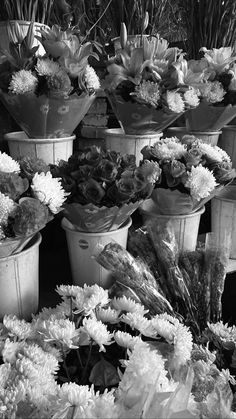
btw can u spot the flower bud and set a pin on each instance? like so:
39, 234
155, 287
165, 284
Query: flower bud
123, 35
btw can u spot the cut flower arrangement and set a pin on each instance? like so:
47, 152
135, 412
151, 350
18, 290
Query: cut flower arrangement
29, 199
191, 172
142, 85
98, 357
105, 187
48, 95
214, 76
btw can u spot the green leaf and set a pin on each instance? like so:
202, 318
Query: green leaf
104, 374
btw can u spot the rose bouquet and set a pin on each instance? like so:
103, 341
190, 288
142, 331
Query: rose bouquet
98, 357
214, 76
191, 173
142, 87
29, 198
48, 95
106, 187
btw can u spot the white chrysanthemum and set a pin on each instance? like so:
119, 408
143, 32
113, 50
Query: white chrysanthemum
211, 152
201, 182
169, 150
212, 91
183, 345
49, 191
23, 81
10, 350
61, 331
191, 98
127, 304
103, 407
16, 327
68, 290
148, 92
108, 315
223, 331
7, 205
39, 357
163, 328
136, 321
91, 78
224, 156
97, 331
8, 164
126, 340
94, 296
46, 67
75, 394
174, 101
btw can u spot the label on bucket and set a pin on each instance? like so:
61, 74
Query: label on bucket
83, 244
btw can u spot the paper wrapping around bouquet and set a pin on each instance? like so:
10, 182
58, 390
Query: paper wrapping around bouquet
174, 202
10, 246
47, 117
90, 218
139, 118
208, 117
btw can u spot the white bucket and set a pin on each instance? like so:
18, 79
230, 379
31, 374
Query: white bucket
82, 246
117, 140
223, 217
208, 137
178, 132
227, 142
19, 281
185, 226
51, 150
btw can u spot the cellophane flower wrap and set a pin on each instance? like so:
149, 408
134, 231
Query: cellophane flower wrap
29, 199
105, 187
97, 356
143, 87
48, 95
214, 75
191, 173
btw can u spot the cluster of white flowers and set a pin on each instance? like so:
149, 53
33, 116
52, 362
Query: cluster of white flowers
23, 81
212, 92
49, 191
8, 164
91, 79
169, 149
175, 101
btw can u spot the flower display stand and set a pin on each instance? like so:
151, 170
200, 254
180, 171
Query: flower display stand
185, 226
117, 140
83, 245
227, 142
19, 281
51, 150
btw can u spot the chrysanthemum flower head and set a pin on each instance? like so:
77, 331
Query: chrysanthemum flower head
191, 98
94, 296
49, 191
126, 340
225, 332
7, 206
75, 394
8, 164
201, 182
210, 152
60, 331
175, 101
107, 315
46, 67
127, 304
16, 327
169, 149
97, 332
148, 92
91, 79
212, 91
23, 81
136, 321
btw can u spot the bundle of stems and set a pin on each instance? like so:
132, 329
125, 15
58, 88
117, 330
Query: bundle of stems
209, 23
28, 10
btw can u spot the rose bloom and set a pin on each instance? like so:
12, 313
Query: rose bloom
92, 191
106, 170
193, 157
177, 168
94, 156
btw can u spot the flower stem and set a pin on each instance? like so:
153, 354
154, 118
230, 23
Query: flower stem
87, 362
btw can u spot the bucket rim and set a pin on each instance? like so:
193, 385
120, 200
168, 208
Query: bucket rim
229, 128
8, 135
206, 132
125, 225
37, 240
200, 211
117, 132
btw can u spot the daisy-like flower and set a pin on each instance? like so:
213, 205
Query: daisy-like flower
91, 79
23, 81
7, 164
126, 340
138, 322
49, 191
223, 331
69, 290
108, 315
60, 331
201, 182
127, 304
16, 327
183, 345
191, 98
175, 101
46, 67
103, 406
39, 357
93, 296
224, 156
164, 328
75, 394
210, 152
7, 205
212, 91
168, 149
97, 332
147, 92
10, 350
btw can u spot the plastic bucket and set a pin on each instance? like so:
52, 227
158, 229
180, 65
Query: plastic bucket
82, 246
223, 217
19, 281
208, 137
117, 140
51, 150
178, 132
185, 226
227, 142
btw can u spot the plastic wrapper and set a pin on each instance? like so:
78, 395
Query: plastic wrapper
133, 274
209, 118
139, 118
47, 117
11, 246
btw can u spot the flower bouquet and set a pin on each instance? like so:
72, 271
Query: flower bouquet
93, 356
48, 95
191, 173
105, 188
29, 198
142, 87
214, 76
